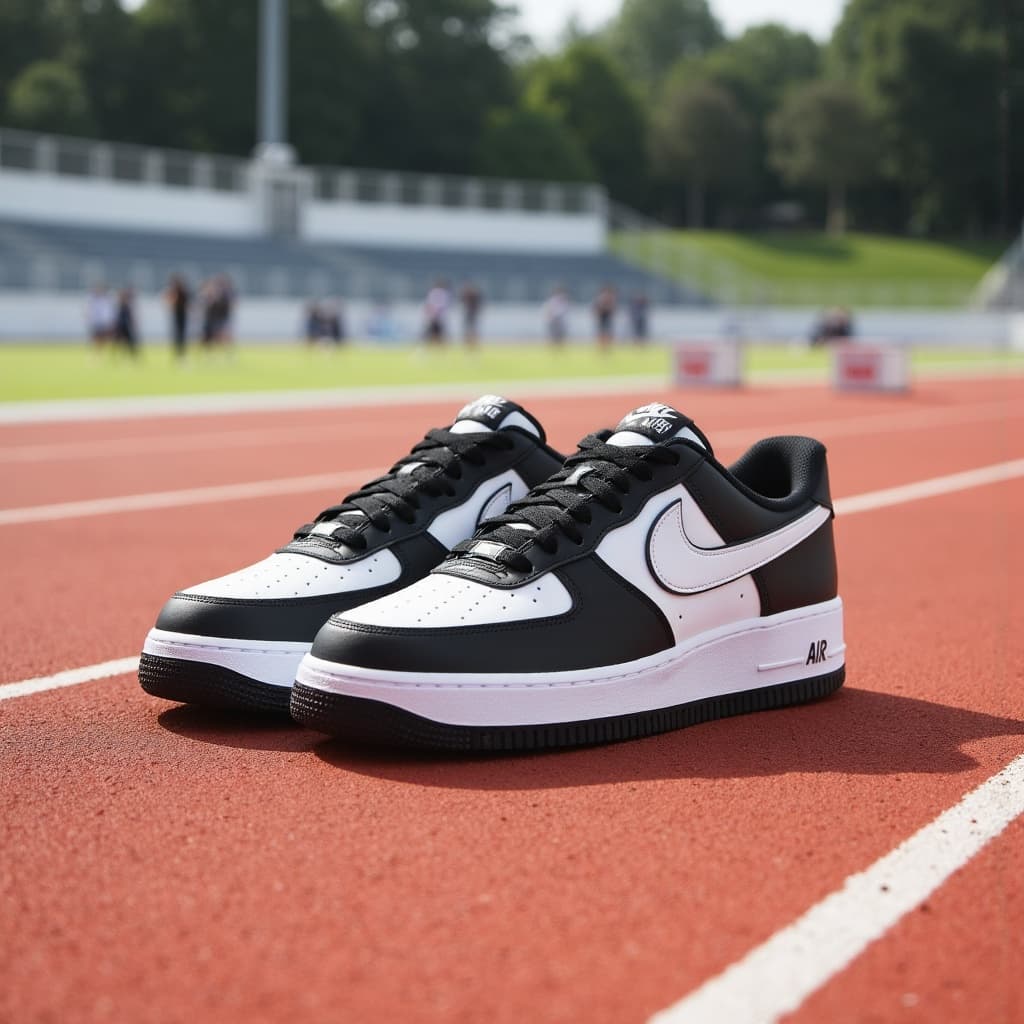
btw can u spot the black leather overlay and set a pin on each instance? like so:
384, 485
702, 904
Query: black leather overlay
603, 520
533, 461
610, 622
290, 619
804, 575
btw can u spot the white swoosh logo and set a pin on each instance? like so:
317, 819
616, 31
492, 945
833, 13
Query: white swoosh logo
683, 568
495, 504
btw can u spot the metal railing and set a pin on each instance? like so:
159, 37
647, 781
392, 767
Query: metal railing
43, 271
86, 158
655, 247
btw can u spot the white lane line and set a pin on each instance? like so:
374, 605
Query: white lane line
917, 419
188, 496
136, 407
69, 677
323, 481
844, 506
930, 488
776, 977
102, 448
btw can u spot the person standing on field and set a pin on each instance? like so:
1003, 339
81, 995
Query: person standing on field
99, 315
178, 298
605, 304
472, 302
556, 316
435, 308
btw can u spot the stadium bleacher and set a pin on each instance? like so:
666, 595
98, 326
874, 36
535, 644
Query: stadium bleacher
66, 257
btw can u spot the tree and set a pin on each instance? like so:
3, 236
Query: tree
762, 65
823, 136
49, 96
945, 80
585, 89
27, 34
650, 36
757, 69
520, 142
434, 73
702, 139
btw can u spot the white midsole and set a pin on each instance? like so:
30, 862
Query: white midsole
745, 655
267, 661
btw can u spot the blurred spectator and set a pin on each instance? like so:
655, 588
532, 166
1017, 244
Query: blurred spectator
435, 309
100, 313
324, 321
177, 296
334, 322
605, 304
218, 297
639, 316
472, 302
556, 316
639, 310
227, 310
833, 325
125, 332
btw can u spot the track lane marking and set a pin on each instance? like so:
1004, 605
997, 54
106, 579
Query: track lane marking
184, 497
931, 488
855, 426
867, 502
775, 978
69, 677
114, 407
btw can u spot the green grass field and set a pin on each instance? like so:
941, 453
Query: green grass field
38, 371
815, 269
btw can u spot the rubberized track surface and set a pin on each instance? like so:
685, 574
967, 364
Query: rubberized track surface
160, 863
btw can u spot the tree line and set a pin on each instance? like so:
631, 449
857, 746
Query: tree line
910, 119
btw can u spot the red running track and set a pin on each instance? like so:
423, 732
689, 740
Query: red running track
165, 864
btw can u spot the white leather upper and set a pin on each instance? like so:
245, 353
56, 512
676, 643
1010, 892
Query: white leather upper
490, 499
441, 601
625, 551
290, 574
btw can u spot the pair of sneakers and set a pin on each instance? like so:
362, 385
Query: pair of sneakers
489, 594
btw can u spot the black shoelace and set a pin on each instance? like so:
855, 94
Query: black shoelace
437, 460
558, 508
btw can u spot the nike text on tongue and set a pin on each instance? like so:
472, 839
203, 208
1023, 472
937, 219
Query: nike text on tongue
492, 412
653, 423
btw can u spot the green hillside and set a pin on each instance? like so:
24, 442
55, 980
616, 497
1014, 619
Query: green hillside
789, 268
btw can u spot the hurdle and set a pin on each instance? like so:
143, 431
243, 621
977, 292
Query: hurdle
707, 364
873, 366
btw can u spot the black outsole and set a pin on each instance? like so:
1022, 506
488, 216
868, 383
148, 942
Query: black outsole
212, 686
361, 720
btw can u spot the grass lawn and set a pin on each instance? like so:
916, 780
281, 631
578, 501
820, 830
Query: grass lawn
816, 269
73, 371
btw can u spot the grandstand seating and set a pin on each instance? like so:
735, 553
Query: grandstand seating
65, 257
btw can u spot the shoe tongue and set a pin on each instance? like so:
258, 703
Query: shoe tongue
492, 412
653, 423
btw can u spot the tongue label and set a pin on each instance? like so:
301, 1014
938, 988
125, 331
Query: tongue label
655, 421
492, 412
488, 409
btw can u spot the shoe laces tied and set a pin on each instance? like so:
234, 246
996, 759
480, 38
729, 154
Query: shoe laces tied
560, 506
426, 472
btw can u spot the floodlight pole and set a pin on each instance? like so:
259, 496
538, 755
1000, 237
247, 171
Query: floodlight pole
273, 75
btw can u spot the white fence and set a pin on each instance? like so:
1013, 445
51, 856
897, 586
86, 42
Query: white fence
85, 158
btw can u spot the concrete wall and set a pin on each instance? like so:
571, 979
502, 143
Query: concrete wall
60, 316
106, 203
102, 202
437, 227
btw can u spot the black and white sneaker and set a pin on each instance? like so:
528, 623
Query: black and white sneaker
644, 587
237, 641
